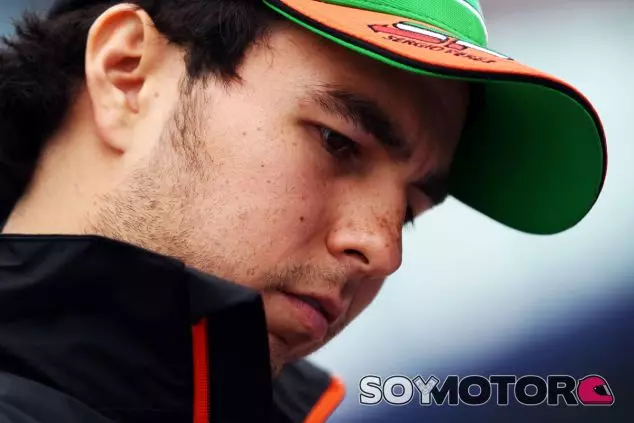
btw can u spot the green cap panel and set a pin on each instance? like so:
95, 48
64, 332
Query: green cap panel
475, 4
461, 17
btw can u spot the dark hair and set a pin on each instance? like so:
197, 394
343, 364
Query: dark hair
42, 65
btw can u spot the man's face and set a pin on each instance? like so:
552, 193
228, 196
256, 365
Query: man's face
295, 181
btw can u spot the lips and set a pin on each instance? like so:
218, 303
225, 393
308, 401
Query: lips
329, 307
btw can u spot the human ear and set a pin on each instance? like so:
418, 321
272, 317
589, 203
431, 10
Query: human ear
123, 52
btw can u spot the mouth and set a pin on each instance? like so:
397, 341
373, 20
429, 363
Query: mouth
313, 303
308, 316
328, 307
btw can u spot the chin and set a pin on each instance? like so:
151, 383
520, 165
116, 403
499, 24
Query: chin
310, 348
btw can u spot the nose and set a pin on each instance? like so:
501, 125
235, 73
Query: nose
367, 243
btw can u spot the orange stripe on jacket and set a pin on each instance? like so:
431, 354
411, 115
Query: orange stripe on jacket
201, 372
328, 402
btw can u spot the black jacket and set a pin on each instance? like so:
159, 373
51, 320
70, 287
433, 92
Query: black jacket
97, 331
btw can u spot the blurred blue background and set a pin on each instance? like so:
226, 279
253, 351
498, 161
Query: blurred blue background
473, 297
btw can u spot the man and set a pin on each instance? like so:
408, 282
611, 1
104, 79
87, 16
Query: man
199, 194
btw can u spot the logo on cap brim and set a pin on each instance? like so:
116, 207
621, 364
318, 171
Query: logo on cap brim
430, 38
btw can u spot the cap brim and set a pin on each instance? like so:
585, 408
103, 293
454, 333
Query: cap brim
533, 158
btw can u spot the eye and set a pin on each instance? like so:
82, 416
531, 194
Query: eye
340, 146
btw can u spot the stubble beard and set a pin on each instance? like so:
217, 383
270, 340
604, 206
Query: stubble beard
154, 208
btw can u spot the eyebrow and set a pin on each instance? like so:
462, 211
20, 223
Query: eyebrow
371, 118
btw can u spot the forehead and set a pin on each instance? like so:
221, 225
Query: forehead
425, 107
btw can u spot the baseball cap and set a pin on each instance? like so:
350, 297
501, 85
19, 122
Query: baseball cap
533, 154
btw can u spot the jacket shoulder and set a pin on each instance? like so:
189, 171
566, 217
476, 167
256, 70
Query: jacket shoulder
26, 401
304, 392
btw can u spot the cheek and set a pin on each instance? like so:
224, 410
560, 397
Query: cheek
268, 191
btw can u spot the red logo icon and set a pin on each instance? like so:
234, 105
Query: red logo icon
594, 390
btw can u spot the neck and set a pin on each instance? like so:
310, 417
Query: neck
42, 213
73, 171
65, 189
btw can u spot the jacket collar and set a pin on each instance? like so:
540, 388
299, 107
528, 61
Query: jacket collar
116, 327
